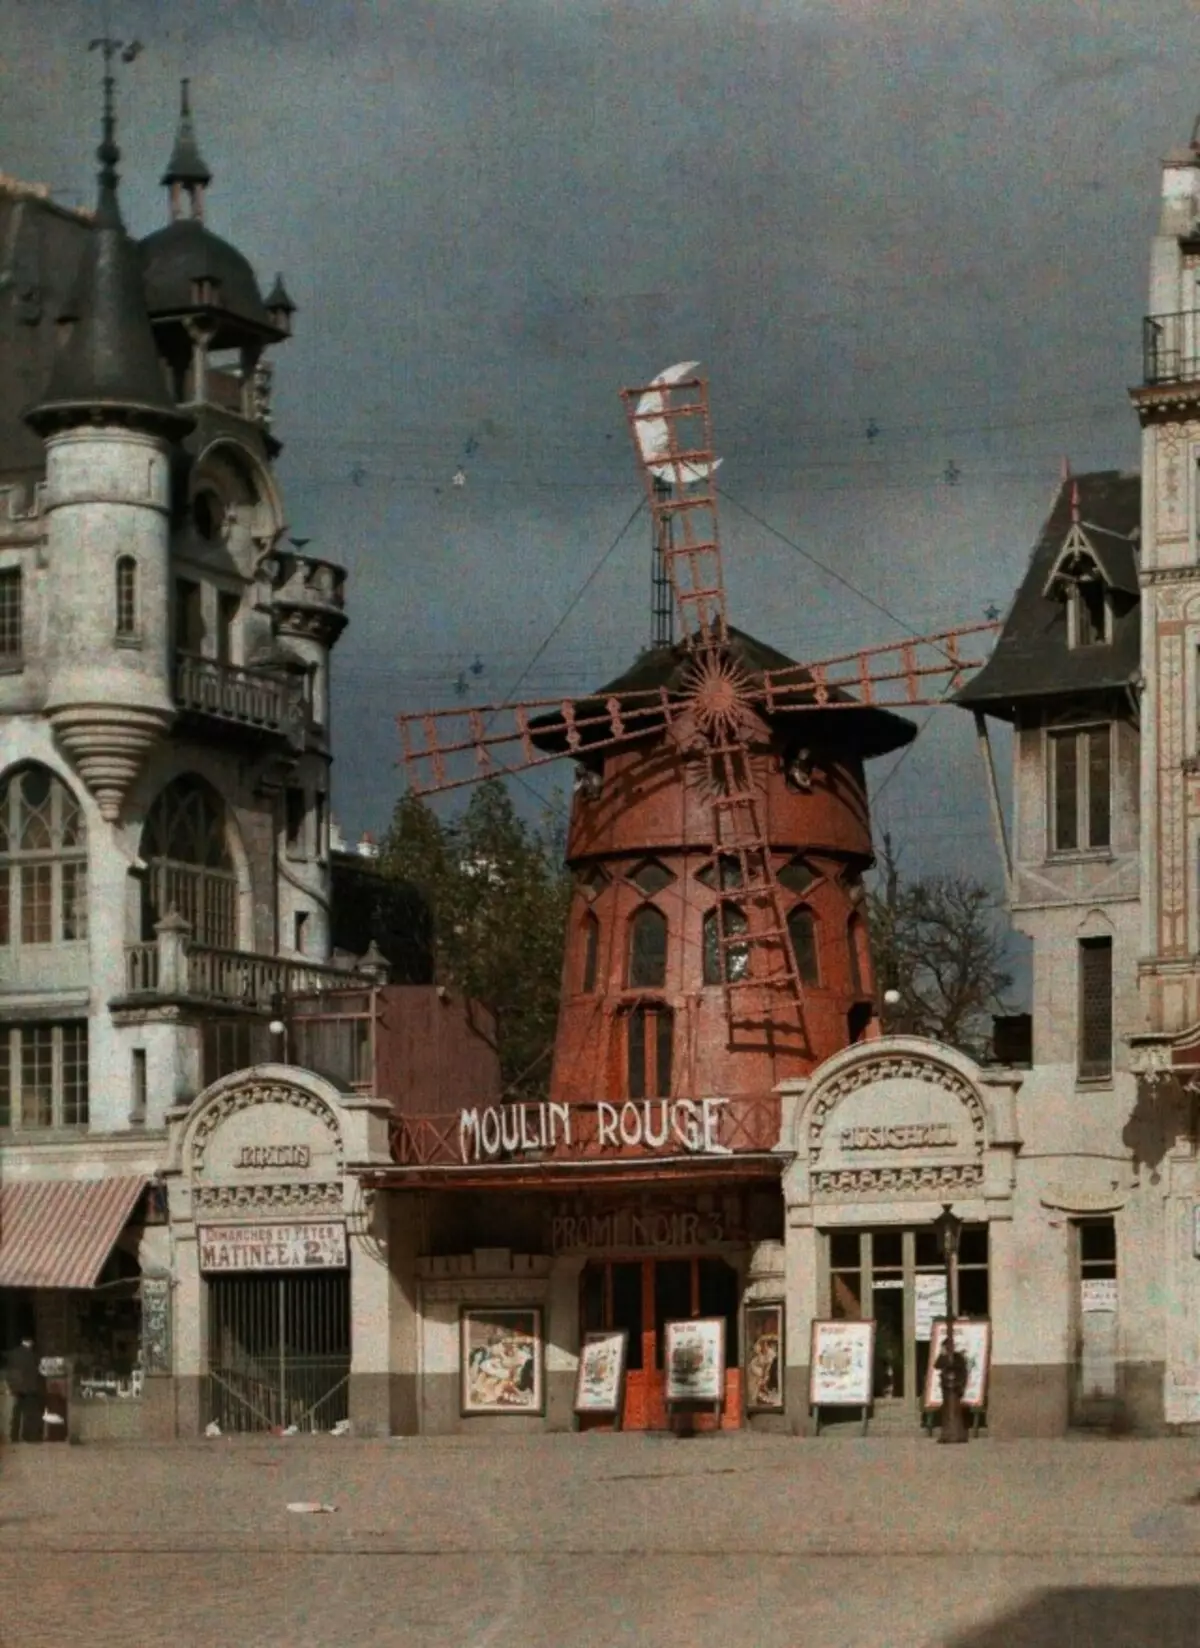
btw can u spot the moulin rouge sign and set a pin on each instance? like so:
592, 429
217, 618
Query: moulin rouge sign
650, 1125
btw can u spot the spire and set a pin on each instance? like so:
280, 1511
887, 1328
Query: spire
107, 360
280, 307
186, 170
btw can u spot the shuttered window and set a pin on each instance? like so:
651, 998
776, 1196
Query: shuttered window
1095, 1008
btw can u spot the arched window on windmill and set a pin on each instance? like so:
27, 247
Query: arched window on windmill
802, 931
647, 949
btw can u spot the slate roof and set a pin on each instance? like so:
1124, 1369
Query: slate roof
185, 251
1031, 659
864, 732
109, 361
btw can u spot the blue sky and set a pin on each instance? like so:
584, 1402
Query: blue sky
926, 220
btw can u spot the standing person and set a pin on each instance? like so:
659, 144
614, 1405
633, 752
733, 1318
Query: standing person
25, 1385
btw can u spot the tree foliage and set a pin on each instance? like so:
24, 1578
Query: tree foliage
939, 941
499, 895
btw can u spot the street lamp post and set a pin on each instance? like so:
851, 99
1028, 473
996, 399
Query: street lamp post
951, 1364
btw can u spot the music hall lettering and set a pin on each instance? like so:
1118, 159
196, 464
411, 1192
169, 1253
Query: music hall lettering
916, 1136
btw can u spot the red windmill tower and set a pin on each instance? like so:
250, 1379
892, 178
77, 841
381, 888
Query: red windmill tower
719, 833
719, 828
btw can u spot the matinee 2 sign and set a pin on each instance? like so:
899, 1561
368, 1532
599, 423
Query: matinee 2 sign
668, 1125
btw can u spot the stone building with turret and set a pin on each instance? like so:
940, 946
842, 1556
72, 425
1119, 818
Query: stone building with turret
165, 866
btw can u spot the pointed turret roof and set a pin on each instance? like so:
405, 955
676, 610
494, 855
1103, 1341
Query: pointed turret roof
108, 361
186, 164
279, 298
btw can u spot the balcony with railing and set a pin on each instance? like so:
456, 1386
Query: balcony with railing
258, 701
172, 967
1171, 348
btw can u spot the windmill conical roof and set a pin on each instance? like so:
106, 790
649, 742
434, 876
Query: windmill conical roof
864, 732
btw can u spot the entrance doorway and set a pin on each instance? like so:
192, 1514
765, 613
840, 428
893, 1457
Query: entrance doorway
1094, 1385
641, 1296
279, 1351
896, 1276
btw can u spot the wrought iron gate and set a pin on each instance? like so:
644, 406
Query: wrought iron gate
279, 1351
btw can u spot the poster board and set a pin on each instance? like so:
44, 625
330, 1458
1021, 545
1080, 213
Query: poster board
600, 1382
972, 1336
930, 1302
501, 1361
841, 1364
156, 1325
695, 1360
764, 1342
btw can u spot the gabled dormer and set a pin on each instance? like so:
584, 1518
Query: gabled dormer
1094, 577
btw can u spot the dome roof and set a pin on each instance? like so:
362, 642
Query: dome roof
185, 251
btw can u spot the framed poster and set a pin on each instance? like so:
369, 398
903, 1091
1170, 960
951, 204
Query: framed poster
972, 1336
764, 1344
695, 1358
501, 1360
841, 1363
601, 1376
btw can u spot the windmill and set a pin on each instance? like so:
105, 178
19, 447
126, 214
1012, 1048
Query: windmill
719, 814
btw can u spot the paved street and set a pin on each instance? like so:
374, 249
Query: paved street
602, 1540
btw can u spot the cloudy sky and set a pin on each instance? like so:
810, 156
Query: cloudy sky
908, 241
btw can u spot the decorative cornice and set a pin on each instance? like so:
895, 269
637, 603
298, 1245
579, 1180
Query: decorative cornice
887, 1181
1159, 402
1148, 576
234, 1200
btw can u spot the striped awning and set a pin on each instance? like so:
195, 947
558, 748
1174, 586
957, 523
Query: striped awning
57, 1233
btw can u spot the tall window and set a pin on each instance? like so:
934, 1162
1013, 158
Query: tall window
43, 1075
734, 964
189, 867
648, 949
591, 952
294, 814
127, 598
1089, 614
228, 607
189, 616
11, 638
802, 930
856, 943
1081, 788
649, 1031
1095, 1009
43, 860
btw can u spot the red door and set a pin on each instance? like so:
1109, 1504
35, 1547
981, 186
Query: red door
641, 1296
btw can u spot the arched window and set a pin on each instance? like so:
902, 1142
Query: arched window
856, 940
737, 956
802, 930
43, 860
127, 598
185, 845
648, 949
591, 952
649, 1034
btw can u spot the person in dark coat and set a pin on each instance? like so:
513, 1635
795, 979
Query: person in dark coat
25, 1384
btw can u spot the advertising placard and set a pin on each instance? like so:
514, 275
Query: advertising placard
272, 1247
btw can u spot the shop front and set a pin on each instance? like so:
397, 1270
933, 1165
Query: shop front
80, 1259
267, 1232
886, 1134
600, 1235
